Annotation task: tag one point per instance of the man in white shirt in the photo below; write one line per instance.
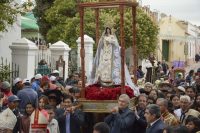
(53, 123)
(7, 117)
(185, 111)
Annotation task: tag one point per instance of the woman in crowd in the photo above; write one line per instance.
(148, 87)
(43, 101)
(151, 100)
(175, 99)
(192, 124)
(25, 120)
(154, 94)
(196, 104)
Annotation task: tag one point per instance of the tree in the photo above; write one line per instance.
(9, 10)
(65, 22)
(39, 12)
(61, 16)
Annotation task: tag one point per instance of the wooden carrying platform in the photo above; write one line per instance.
(104, 106)
(101, 106)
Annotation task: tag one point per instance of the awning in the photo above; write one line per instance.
(29, 22)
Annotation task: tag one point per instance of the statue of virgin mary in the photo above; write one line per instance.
(107, 63)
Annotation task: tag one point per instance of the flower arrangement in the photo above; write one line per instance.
(96, 92)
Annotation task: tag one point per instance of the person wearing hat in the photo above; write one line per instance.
(17, 85)
(179, 79)
(36, 84)
(8, 118)
(59, 79)
(6, 90)
(45, 83)
(54, 97)
(53, 83)
(27, 95)
(180, 90)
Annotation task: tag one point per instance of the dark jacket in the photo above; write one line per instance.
(76, 121)
(156, 127)
(121, 122)
(15, 89)
(140, 124)
(16, 129)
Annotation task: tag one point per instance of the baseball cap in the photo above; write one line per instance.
(45, 78)
(16, 81)
(55, 71)
(181, 88)
(13, 98)
(38, 76)
(5, 85)
(52, 78)
(26, 81)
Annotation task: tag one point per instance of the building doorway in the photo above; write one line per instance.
(165, 50)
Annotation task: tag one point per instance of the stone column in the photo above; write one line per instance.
(60, 49)
(23, 54)
(88, 43)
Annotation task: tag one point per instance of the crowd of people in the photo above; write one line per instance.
(48, 104)
(171, 106)
(41, 104)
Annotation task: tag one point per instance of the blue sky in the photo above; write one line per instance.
(188, 10)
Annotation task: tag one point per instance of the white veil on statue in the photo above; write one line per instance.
(116, 64)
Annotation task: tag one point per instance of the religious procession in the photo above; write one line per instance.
(147, 90)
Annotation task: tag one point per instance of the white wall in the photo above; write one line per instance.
(6, 38)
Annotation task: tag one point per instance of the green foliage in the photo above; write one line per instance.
(39, 12)
(4, 73)
(147, 33)
(9, 10)
(61, 17)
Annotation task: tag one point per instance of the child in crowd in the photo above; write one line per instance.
(53, 123)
